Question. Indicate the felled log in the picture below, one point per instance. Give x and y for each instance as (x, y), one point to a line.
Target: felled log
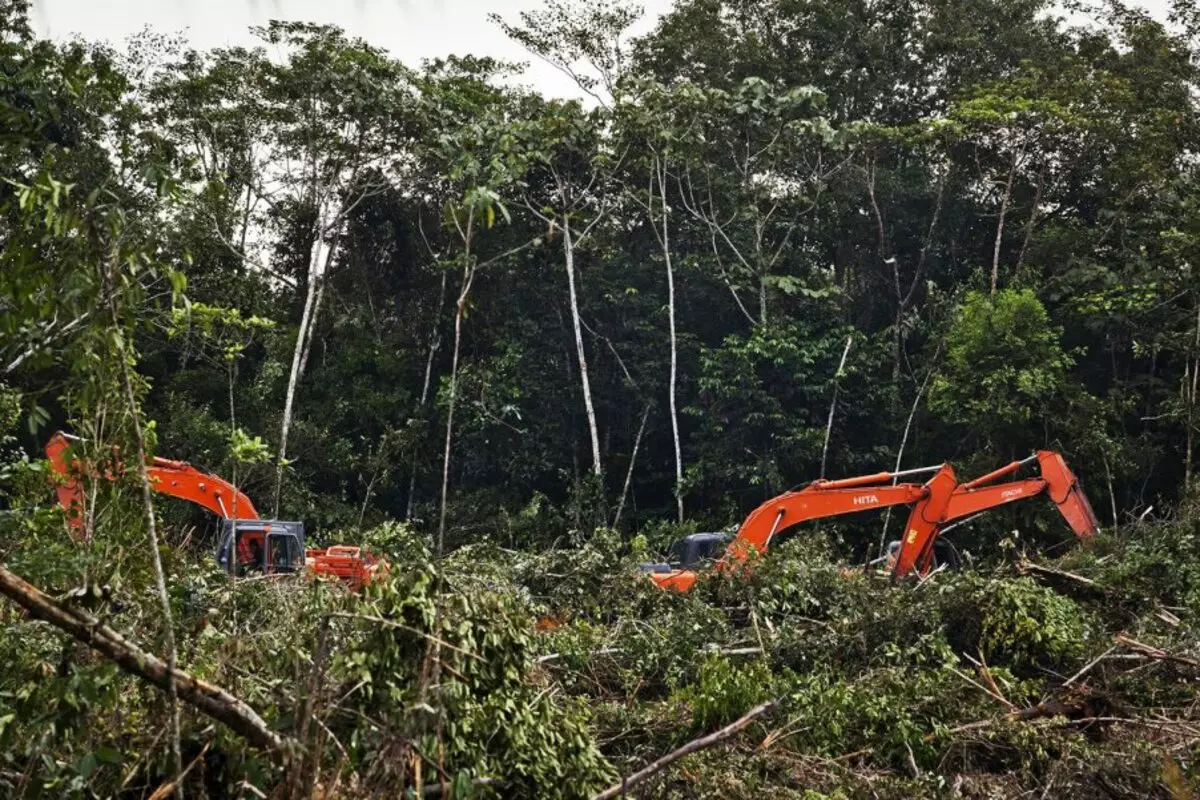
(206, 698)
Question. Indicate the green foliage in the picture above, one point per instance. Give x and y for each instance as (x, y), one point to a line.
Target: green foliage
(1004, 365)
(816, 175)
(496, 723)
(1029, 624)
(724, 691)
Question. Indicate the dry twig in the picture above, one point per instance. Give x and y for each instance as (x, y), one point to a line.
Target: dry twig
(716, 737)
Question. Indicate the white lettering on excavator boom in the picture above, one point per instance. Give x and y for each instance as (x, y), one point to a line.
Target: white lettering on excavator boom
(866, 500)
(1011, 493)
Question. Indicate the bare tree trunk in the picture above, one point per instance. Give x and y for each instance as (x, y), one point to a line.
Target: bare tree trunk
(1191, 386)
(1000, 224)
(1186, 394)
(762, 300)
(1112, 495)
(569, 253)
(1033, 216)
(904, 443)
(464, 291)
(160, 580)
(435, 343)
(637, 442)
(316, 263)
(833, 402)
(316, 312)
(666, 248)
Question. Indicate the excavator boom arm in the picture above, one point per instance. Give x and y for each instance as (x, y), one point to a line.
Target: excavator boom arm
(1056, 480)
(972, 501)
(173, 478)
(814, 502)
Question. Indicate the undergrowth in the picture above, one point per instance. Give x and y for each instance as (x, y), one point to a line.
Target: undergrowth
(554, 673)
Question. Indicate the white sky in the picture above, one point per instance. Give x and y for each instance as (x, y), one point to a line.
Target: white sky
(410, 29)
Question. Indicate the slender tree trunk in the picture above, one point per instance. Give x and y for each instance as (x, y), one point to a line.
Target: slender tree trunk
(762, 300)
(245, 220)
(1191, 386)
(904, 443)
(1012, 171)
(833, 403)
(637, 442)
(160, 581)
(666, 247)
(435, 343)
(316, 312)
(315, 268)
(464, 292)
(232, 431)
(569, 253)
(1033, 216)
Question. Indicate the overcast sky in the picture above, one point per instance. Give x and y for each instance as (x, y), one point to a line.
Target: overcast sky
(410, 29)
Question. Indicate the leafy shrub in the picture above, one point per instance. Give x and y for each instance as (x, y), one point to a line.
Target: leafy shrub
(724, 691)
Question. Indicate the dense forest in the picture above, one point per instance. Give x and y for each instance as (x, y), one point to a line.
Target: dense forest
(517, 344)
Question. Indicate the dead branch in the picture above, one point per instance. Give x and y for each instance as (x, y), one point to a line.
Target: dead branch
(1049, 708)
(691, 747)
(1028, 566)
(170, 787)
(1087, 667)
(995, 695)
(206, 698)
(1153, 652)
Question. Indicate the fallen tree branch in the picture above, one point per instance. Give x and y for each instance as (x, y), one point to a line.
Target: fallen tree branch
(1050, 708)
(693, 746)
(1087, 667)
(1037, 569)
(170, 787)
(995, 695)
(210, 700)
(1153, 652)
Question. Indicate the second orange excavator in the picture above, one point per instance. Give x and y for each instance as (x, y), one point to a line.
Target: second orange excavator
(247, 543)
(935, 505)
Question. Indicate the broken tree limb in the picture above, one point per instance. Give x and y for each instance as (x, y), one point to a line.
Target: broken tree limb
(1028, 566)
(1153, 652)
(1087, 667)
(716, 737)
(995, 695)
(206, 698)
(1050, 708)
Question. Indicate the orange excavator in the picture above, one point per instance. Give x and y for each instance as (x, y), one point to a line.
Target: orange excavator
(936, 504)
(821, 499)
(247, 543)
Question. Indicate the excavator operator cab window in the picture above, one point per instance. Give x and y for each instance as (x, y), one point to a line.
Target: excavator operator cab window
(258, 546)
(697, 550)
(285, 553)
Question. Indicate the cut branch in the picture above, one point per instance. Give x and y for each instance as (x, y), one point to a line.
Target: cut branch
(206, 698)
(691, 747)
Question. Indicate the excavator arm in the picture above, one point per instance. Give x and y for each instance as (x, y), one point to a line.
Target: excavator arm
(822, 499)
(981, 494)
(174, 478)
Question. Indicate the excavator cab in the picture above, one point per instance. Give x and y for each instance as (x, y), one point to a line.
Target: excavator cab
(270, 547)
(690, 552)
